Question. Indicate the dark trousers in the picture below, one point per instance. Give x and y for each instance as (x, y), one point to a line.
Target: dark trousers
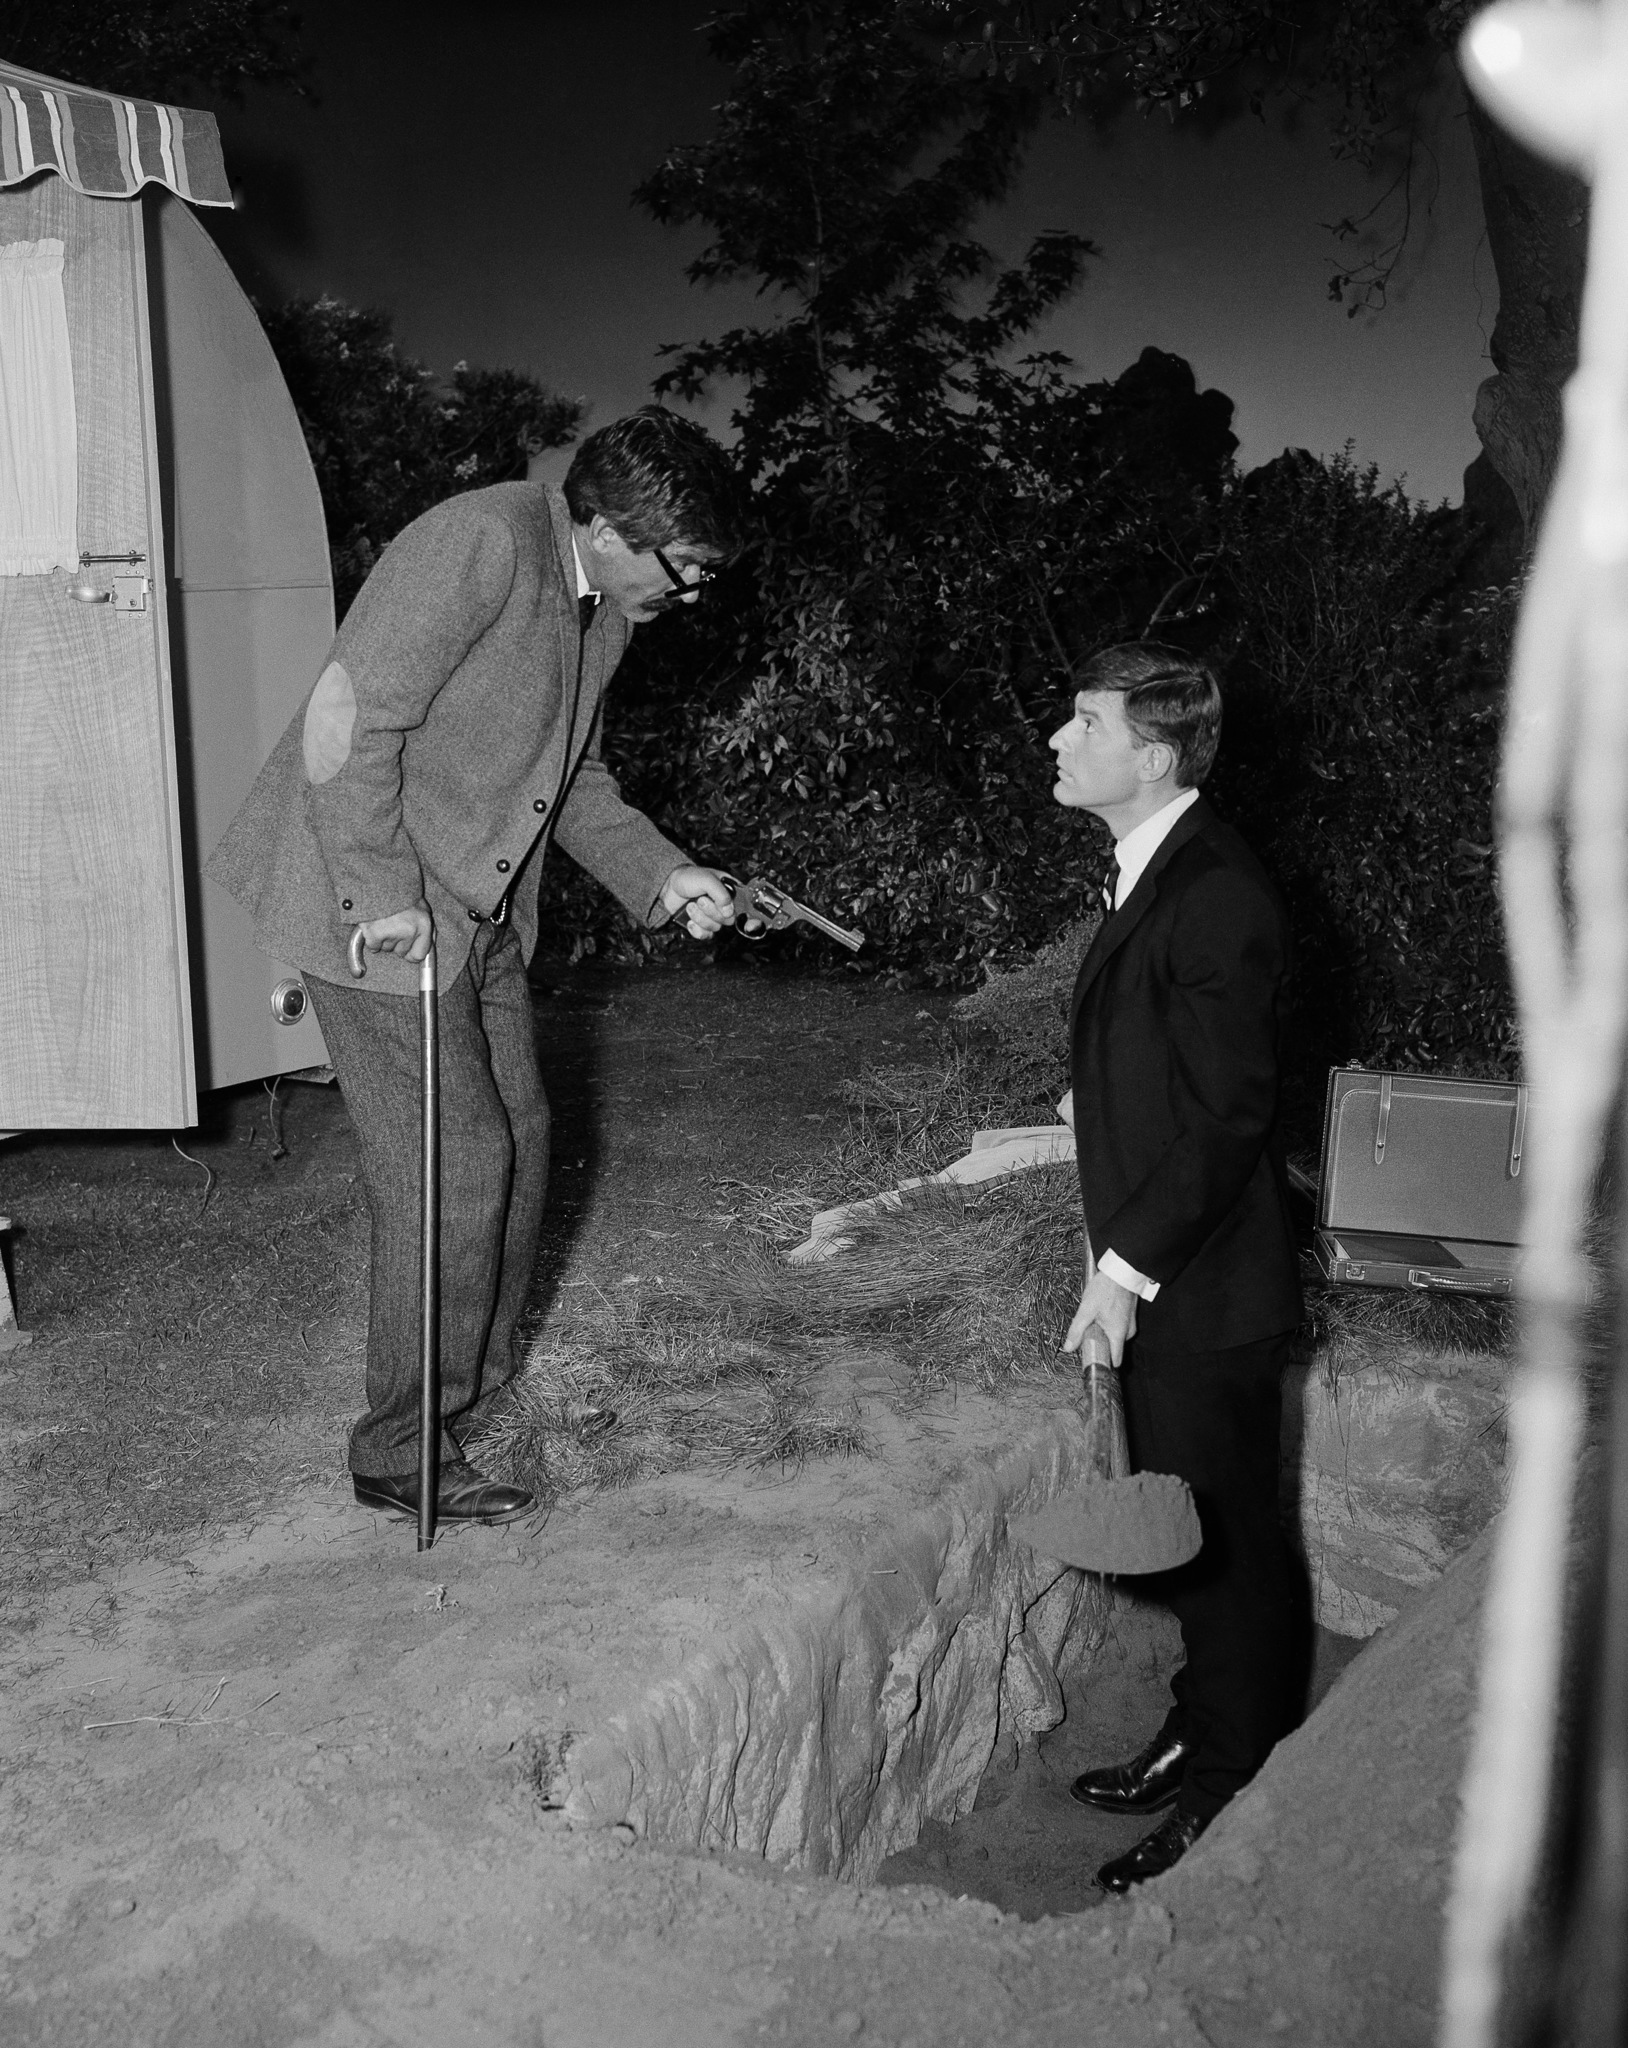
(494, 1172)
(1212, 1418)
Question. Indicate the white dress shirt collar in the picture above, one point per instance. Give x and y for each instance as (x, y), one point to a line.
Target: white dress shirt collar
(585, 588)
(1138, 846)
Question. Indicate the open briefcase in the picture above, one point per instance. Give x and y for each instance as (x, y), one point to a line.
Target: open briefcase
(1421, 1182)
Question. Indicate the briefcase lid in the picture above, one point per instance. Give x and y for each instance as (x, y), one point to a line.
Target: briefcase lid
(1426, 1155)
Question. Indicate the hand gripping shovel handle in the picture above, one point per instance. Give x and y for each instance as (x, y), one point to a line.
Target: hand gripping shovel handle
(1102, 1398)
(429, 1236)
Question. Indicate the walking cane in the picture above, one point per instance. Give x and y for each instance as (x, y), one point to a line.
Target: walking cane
(429, 1235)
(429, 1251)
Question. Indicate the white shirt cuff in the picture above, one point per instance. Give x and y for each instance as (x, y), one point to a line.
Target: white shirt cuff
(1127, 1276)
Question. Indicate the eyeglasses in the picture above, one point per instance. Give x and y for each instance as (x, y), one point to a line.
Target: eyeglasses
(682, 584)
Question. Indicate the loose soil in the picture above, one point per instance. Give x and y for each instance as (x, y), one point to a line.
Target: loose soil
(271, 1776)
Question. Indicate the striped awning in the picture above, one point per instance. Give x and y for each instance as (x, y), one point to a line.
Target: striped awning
(105, 146)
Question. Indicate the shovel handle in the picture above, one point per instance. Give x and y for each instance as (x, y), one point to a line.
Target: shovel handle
(1094, 1348)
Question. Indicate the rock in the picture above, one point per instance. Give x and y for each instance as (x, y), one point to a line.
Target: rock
(1393, 1470)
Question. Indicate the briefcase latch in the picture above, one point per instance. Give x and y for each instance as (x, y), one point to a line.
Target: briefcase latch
(1384, 1119)
(1518, 1138)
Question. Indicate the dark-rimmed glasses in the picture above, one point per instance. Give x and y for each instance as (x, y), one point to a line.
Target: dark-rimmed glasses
(704, 575)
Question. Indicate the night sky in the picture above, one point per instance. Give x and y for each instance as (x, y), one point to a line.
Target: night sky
(468, 170)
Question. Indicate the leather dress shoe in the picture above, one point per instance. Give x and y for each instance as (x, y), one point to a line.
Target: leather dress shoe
(1150, 1780)
(462, 1495)
(1154, 1854)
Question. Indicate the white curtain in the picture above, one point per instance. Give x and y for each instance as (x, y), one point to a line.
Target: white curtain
(39, 459)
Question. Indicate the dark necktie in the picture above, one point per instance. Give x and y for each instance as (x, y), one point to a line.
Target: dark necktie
(586, 607)
(1110, 887)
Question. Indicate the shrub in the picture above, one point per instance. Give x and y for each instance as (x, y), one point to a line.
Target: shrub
(1360, 760)
(1017, 1023)
(386, 439)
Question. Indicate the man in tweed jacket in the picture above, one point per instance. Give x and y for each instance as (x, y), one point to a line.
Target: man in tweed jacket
(451, 738)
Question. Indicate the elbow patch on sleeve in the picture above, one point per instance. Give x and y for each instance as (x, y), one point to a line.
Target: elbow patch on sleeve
(330, 718)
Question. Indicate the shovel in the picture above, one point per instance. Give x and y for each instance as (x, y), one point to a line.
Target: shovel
(429, 1235)
(1117, 1522)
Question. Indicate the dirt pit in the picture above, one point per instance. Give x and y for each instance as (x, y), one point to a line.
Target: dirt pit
(272, 1779)
(1026, 1846)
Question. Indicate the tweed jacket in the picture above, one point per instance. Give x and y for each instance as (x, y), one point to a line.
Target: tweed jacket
(452, 736)
(1174, 1029)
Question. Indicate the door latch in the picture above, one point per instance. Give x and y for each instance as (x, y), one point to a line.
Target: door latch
(129, 592)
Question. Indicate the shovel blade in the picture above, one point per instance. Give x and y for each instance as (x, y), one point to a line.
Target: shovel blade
(1147, 1523)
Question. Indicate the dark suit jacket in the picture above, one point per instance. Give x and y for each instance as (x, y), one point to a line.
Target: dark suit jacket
(474, 745)
(1174, 1026)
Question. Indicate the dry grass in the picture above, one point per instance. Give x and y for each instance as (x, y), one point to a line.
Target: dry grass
(903, 1123)
(1349, 1327)
(188, 1316)
(965, 1283)
(684, 1389)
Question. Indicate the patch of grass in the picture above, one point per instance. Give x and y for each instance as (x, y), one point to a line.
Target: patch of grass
(971, 1283)
(1016, 1025)
(181, 1348)
(903, 1123)
(1349, 1327)
(684, 1387)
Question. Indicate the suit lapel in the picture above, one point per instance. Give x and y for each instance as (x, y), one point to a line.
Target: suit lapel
(1113, 932)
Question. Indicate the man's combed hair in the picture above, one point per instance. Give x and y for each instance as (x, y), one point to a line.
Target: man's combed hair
(1169, 697)
(660, 481)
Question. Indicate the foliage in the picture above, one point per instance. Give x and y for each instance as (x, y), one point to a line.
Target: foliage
(1370, 59)
(862, 714)
(855, 715)
(1171, 53)
(1016, 1025)
(1360, 758)
(386, 439)
(159, 49)
(842, 177)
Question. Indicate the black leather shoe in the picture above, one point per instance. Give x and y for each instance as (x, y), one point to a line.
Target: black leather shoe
(461, 1495)
(1153, 1855)
(1150, 1780)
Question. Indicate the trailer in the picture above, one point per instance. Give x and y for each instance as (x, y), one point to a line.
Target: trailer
(165, 601)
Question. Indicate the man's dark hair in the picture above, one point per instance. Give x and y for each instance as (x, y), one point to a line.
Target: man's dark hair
(660, 481)
(1169, 697)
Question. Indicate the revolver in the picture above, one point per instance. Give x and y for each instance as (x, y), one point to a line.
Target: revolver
(772, 909)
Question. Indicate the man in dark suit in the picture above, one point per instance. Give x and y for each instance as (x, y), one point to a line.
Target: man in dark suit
(451, 739)
(1174, 1026)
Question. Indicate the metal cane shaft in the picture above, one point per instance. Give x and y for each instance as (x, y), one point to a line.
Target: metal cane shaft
(429, 1344)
